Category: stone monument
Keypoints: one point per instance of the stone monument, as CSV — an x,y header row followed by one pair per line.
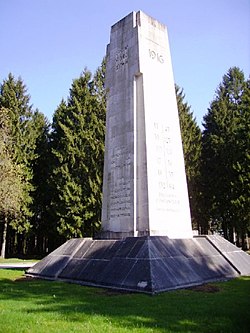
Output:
x,y
146,243
145,190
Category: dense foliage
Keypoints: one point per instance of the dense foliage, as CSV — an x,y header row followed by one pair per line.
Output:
x,y
226,157
11,181
77,144
22,143
51,174
191,142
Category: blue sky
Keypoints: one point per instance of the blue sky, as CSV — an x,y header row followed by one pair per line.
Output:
x,y
49,43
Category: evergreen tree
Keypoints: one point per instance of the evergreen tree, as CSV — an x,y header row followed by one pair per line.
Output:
x,y
240,185
191,142
42,225
11,186
226,149
14,97
24,132
78,150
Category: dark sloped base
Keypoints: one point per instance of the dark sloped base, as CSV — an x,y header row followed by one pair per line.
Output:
x,y
144,264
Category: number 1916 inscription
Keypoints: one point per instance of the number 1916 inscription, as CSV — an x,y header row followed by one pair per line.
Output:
x,y
156,56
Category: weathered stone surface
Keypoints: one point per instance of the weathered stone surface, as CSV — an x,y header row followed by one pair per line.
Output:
x,y
239,259
144,264
144,191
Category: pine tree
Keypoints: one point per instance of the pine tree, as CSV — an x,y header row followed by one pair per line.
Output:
x,y
14,97
240,185
191,142
42,227
11,185
78,149
23,131
225,158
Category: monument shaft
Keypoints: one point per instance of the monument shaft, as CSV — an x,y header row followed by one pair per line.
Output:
x,y
145,192
144,185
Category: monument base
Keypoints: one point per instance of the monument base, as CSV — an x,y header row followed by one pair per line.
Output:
x,y
123,234
150,264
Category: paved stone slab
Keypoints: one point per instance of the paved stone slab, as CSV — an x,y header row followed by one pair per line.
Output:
x,y
239,259
144,264
17,265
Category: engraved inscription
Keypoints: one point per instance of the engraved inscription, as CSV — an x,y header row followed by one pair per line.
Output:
x,y
166,198
156,56
120,196
121,58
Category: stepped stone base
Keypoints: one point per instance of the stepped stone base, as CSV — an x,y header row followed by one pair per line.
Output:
x,y
150,264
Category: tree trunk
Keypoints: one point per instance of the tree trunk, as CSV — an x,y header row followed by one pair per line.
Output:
x,y
4,237
245,243
225,231
231,233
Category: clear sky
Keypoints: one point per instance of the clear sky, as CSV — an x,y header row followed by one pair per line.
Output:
x,y
49,43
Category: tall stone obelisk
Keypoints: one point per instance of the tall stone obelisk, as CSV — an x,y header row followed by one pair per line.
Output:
x,y
145,191
144,185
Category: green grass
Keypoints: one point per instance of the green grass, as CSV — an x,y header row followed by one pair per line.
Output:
x,y
16,260
46,307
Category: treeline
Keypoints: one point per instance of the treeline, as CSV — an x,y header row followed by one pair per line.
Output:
x,y
217,160
51,174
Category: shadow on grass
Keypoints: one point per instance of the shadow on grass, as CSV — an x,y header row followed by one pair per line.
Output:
x,y
225,309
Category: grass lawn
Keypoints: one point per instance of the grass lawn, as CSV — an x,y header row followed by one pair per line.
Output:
x,y
16,260
45,307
